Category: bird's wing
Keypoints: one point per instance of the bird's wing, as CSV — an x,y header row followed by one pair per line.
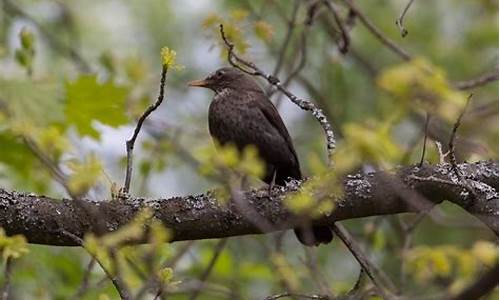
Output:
x,y
271,113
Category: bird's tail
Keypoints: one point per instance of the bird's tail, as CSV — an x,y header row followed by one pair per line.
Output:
x,y
314,236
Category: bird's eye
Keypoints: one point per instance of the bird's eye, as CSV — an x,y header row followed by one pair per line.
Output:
x,y
219,74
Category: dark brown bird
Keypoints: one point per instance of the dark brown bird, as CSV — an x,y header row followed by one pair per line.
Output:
x,y
242,114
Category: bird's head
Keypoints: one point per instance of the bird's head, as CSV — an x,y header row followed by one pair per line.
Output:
x,y
226,78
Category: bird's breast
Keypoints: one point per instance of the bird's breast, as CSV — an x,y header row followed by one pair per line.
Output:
x,y
232,119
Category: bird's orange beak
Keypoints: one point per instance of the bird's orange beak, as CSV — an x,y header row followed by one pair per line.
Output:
x,y
200,83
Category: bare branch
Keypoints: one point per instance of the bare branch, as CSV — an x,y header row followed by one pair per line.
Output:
x,y
424,146
252,69
479,81
399,21
117,281
377,276
6,278
217,251
377,32
131,142
344,45
300,296
451,143
288,37
84,286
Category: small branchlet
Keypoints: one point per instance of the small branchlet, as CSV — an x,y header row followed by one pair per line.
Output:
x,y
168,62
251,69
399,21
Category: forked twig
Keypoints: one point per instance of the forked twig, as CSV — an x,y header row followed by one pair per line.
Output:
x,y
251,69
377,32
379,279
117,281
399,21
344,45
217,251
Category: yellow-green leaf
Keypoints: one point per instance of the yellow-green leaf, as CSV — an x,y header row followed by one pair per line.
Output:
x,y
12,246
88,101
168,58
85,174
263,30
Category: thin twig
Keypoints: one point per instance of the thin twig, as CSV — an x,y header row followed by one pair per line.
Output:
x,y
451,143
294,295
178,255
52,40
407,237
303,57
344,45
479,81
118,282
62,179
52,166
171,263
288,36
7,277
124,292
284,280
131,142
377,32
302,50
217,251
424,146
379,279
399,21
316,274
85,280
251,69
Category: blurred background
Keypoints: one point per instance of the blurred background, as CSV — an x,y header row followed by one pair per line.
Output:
x,y
76,75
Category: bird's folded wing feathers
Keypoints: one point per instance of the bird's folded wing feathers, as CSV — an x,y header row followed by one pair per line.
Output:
x,y
272,115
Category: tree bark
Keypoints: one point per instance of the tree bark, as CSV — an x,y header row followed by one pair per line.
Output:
x,y
44,220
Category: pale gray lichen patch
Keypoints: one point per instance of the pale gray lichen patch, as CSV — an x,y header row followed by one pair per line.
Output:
x,y
484,190
358,186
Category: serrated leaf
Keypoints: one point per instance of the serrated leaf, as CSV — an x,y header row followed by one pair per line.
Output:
x,y
15,154
40,102
88,100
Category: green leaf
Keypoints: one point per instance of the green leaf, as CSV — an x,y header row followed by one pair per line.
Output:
x,y
19,166
15,154
88,100
39,102
13,246
85,174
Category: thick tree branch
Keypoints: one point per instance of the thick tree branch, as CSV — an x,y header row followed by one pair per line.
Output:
x,y
44,220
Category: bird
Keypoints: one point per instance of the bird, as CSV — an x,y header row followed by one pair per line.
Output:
x,y
242,114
